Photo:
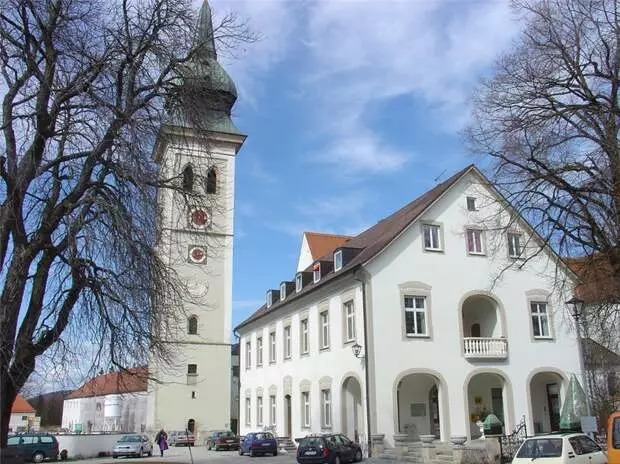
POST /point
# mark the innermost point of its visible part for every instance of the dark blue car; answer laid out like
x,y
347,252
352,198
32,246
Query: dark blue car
x,y
259,443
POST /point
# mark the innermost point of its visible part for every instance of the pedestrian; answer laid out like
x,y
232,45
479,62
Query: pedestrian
x,y
162,441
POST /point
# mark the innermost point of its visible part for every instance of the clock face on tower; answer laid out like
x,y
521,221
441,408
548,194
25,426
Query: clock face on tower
x,y
197,254
199,218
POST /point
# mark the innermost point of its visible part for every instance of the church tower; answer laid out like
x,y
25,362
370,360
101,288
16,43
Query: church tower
x,y
197,147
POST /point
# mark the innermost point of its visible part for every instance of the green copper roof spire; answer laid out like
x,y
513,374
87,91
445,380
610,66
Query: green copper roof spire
x,y
205,37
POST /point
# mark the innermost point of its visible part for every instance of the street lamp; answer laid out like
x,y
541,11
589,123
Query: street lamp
x,y
357,348
577,308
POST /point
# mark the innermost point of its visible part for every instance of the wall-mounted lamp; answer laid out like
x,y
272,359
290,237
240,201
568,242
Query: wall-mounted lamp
x,y
357,349
577,306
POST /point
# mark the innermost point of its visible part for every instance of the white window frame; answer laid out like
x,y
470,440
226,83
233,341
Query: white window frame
x,y
269,298
272,347
305,409
473,200
324,329
248,355
283,291
259,410
287,342
299,283
248,411
326,408
350,334
432,246
535,313
337,260
415,310
475,233
316,272
304,342
272,410
259,351
512,253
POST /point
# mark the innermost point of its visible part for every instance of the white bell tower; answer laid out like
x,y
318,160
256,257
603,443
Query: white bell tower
x,y
198,146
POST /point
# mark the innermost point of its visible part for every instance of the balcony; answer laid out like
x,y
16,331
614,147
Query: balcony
x,y
485,347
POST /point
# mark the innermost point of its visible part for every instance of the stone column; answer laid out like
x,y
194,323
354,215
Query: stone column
x,y
401,444
377,443
428,448
458,450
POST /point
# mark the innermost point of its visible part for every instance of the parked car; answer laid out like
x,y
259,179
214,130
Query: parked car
x,y
332,448
133,445
259,443
34,447
613,438
222,440
183,438
560,448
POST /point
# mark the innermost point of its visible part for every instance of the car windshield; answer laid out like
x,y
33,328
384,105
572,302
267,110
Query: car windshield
x,y
264,436
541,448
226,434
311,441
130,439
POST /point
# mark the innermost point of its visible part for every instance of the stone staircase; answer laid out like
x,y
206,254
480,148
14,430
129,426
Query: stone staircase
x,y
415,452
285,443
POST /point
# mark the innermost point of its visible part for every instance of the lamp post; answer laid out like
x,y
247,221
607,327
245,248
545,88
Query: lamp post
x,y
577,308
357,350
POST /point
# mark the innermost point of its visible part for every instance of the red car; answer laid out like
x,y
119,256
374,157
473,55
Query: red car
x,y
222,440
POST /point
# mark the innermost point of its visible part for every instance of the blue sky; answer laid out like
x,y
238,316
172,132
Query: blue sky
x,y
352,109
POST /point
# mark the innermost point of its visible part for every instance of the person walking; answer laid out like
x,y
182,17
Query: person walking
x,y
162,441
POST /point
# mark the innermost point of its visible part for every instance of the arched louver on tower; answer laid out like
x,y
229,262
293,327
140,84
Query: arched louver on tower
x,y
192,325
211,181
188,178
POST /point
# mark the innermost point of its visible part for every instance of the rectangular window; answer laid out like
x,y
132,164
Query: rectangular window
x,y
540,320
415,315
514,245
431,237
349,314
326,408
272,347
471,204
248,411
259,410
259,351
337,260
282,291
298,282
287,342
269,298
474,242
304,344
324,335
316,272
192,369
272,410
248,355
305,409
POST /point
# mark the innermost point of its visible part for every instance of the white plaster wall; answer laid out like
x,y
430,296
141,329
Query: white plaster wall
x,y
452,275
87,446
131,406
17,420
305,255
337,363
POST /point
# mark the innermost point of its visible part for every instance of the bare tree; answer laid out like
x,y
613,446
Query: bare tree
x,y
87,85
548,119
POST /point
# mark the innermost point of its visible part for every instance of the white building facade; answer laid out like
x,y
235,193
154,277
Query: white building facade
x,y
455,307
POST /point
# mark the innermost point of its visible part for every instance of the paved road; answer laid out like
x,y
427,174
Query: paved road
x,y
201,455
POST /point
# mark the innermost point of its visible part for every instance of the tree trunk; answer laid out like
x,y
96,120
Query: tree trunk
x,y
8,393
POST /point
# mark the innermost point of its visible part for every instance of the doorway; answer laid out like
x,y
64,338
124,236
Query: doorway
x,y
287,416
553,403
191,424
433,408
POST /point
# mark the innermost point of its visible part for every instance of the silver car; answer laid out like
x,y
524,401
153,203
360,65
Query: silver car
x,y
133,445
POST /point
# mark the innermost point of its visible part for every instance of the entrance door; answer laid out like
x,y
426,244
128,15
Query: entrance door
x,y
497,403
553,402
287,411
434,411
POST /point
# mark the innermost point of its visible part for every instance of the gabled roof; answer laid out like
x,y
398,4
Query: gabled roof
x,y
21,406
599,356
372,241
321,244
597,281
130,381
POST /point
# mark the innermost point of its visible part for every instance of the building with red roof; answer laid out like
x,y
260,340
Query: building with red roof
x,y
23,416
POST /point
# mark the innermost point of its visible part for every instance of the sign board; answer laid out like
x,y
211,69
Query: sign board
x,y
588,424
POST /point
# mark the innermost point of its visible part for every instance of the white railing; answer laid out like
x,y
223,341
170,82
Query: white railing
x,y
485,347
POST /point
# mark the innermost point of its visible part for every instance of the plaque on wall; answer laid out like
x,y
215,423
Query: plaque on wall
x,y
418,410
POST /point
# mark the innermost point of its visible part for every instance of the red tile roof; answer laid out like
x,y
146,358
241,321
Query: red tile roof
x,y
322,244
132,380
20,405
597,281
373,240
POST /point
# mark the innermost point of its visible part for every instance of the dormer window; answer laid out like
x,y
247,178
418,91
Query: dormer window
x,y
338,260
298,283
471,204
269,298
316,272
282,291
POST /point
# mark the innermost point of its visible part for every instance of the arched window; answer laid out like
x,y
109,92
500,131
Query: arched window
x,y
192,325
211,181
188,178
191,425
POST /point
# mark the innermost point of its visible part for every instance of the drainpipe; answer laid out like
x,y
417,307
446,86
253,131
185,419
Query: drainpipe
x,y
367,374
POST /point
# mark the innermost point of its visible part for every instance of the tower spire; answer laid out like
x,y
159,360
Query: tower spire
x,y
205,38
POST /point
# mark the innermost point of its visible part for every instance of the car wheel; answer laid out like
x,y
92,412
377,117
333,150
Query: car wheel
x,y
337,460
252,454
150,453
38,456
275,453
358,456
240,452
114,456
